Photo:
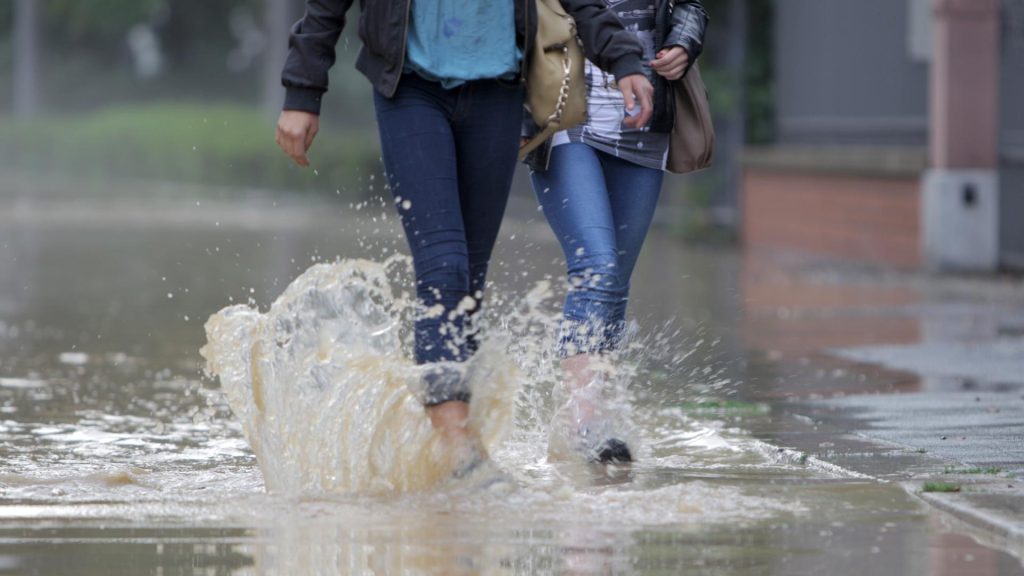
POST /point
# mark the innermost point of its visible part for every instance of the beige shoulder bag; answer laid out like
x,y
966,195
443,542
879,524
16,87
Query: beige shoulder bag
x,y
556,91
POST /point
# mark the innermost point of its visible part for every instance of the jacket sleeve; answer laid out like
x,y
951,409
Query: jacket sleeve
x,y
311,53
605,41
689,22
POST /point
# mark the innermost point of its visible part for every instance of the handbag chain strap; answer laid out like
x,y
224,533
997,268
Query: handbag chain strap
x,y
563,91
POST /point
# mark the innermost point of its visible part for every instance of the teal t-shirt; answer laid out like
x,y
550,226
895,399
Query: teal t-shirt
x,y
454,41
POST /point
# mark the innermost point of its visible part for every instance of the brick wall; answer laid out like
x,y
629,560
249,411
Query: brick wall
x,y
848,217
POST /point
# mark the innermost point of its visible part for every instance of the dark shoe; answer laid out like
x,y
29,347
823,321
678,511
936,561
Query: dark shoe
x,y
603,448
482,475
614,451
477,473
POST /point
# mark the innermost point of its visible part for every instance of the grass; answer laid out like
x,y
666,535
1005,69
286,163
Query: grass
x,y
976,470
940,487
222,145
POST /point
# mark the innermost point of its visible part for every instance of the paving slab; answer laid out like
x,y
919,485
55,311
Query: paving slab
x,y
909,378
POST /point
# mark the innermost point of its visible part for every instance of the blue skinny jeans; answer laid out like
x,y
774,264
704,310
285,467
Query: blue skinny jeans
x,y
449,156
600,208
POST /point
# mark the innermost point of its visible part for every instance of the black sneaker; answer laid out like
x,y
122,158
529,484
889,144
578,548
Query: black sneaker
x,y
603,448
614,451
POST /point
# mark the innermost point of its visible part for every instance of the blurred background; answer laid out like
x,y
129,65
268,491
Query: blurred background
x,y
849,269
858,131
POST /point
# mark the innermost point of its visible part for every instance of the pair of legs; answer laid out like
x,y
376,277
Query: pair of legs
x,y
449,156
600,208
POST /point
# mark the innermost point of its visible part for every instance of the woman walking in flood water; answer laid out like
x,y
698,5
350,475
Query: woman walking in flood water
x,y
448,96
598,185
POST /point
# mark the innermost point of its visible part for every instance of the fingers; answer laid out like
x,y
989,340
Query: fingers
x,y
627,93
671,63
310,135
296,146
670,57
288,140
673,73
629,97
297,149
636,89
646,104
295,133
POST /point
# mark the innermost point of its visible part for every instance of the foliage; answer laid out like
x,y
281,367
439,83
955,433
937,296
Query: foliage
x,y
974,470
206,144
87,61
760,74
757,76
940,487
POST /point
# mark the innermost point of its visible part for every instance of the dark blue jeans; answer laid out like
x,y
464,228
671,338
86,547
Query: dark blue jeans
x,y
600,208
449,156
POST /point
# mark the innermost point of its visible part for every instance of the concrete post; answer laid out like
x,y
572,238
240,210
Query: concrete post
x,y
277,17
26,58
961,190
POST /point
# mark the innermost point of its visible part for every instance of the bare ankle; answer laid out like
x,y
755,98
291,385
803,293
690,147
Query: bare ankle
x,y
450,418
578,371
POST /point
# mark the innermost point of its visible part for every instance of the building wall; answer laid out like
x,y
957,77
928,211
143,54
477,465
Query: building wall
x,y
1011,228
852,79
845,74
847,217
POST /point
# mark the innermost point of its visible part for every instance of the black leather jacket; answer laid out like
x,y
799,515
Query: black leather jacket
x,y
680,23
383,29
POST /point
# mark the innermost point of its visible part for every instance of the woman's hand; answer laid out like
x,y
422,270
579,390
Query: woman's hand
x,y
637,91
295,133
671,62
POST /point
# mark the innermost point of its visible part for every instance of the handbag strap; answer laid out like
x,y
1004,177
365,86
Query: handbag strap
x,y
563,91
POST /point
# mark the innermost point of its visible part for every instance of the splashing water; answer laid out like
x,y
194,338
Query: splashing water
x,y
326,394
329,400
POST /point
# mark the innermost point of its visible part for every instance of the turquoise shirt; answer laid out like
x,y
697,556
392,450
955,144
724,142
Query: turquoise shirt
x,y
454,41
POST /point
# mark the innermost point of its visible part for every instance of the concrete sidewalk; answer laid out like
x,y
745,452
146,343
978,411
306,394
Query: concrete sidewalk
x,y
907,378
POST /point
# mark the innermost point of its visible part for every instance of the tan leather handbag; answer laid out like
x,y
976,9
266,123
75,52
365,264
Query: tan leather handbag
x,y
556,91
692,145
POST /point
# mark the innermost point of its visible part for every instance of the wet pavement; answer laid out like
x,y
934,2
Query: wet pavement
x,y
922,384
809,407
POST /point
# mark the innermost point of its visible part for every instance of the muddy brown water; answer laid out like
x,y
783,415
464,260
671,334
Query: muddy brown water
x,y
117,456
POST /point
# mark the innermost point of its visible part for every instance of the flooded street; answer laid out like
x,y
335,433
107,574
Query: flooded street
x,y
119,456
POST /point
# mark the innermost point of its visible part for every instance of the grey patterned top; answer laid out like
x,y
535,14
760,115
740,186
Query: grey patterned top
x,y
606,109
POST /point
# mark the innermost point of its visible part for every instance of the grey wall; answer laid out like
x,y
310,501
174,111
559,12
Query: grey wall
x,y
844,74
1012,137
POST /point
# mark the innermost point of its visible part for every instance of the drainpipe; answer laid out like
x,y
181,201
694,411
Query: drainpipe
x,y
960,199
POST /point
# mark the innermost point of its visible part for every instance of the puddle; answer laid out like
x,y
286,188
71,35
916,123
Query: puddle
x,y
121,457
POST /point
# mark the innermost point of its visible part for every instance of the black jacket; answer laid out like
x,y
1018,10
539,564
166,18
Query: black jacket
x,y
383,29
682,23
678,23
